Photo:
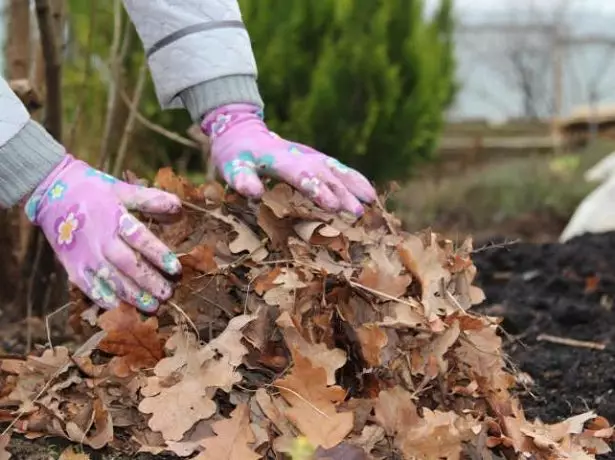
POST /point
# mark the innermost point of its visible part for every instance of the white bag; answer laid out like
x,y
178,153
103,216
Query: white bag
x,y
596,213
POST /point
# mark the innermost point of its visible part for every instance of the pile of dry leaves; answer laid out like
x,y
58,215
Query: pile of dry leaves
x,y
292,328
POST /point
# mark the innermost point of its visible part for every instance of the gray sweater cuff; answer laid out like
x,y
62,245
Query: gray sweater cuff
x,y
25,161
207,96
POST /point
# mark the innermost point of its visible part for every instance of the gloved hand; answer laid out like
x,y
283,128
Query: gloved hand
x,y
243,149
106,251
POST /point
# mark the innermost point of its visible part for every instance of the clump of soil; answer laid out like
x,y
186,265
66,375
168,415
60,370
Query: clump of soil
x,y
563,290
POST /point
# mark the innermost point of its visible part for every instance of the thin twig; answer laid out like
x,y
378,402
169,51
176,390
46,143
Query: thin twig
x,y
130,123
280,387
186,317
48,317
571,342
157,128
495,246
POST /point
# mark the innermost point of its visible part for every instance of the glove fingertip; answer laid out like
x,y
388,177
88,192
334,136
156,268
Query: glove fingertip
x,y
249,185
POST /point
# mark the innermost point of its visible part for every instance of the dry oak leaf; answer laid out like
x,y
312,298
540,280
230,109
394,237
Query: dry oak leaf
x,y
313,404
427,264
135,343
395,411
372,340
200,258
482,351
177,408
4,441
318,353
246,239
167,180
100,425
233,438
383,273
437,435
404,317
36,373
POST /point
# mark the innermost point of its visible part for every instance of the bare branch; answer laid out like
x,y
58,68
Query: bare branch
x,y
128,130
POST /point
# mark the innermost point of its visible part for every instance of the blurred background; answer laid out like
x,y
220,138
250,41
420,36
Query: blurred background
x,y
474,116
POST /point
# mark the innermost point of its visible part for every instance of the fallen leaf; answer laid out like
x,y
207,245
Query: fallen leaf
x,y
313,404
426,263
318,353
395,411
437,434
233,438
4,442
246,239
370,436
383,273
177,408
200,258
102,431
372,340
135,343
167,180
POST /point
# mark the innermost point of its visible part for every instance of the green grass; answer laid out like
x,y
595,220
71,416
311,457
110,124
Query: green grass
x,y
492,194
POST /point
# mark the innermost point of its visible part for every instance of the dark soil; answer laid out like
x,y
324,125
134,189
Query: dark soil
x,y
562,290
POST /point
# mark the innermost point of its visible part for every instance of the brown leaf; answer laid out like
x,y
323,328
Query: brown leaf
x,y
246,239
176,409
134,343
437,434
395,411
372,340
200,258
4,442
318,353
178,406
234,436
426,263
102,431
383,273
167,180
272,412
313,404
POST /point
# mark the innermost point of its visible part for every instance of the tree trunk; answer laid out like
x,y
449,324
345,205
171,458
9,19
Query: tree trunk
x,y
47,287
17,68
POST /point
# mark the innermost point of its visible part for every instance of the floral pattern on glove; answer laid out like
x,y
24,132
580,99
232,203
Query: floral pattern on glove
x,y
108,253
219,125
57,190
105,287
68,226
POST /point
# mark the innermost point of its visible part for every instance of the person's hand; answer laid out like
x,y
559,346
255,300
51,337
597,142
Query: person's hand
x,y
107,252
243,149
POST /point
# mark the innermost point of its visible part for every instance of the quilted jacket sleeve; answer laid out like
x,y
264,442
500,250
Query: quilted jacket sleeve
x,y
27,152
199,52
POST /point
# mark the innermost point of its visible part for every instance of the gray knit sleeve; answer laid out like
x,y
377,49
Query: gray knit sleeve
x,y
209,95
25,160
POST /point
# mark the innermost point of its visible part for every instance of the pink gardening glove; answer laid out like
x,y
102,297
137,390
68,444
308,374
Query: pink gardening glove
x,y
106,251
243,149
